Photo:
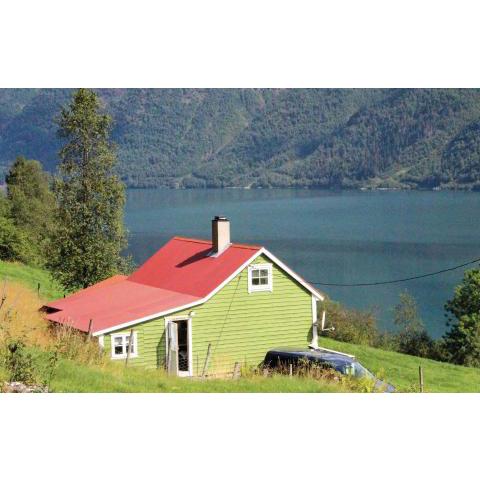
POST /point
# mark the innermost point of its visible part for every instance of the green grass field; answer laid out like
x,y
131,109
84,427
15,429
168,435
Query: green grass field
x,y
31,277
72,377
398,369
402,370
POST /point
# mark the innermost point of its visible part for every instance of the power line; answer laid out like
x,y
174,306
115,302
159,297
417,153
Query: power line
x,y
398,280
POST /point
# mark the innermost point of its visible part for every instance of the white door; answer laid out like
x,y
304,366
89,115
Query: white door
x,y
179,346
172,348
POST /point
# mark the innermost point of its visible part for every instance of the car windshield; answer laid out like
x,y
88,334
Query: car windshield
x,y
357,370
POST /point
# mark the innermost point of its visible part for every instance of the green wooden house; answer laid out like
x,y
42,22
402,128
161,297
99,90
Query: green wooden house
x,y
197,305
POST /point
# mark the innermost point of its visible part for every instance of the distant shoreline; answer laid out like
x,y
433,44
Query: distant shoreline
x,y
325,189
3,187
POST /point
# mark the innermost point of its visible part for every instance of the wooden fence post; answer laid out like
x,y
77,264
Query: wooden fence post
x,y
420,377
90,328
4,293
130,344
207,359
290,370
236,370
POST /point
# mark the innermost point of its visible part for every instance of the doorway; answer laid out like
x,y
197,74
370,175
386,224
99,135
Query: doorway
x,y
182,332
179,350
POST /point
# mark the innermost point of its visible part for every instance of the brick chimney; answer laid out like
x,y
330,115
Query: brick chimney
x,y
220,234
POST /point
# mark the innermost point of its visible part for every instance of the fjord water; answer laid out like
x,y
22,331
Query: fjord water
x,y
331,237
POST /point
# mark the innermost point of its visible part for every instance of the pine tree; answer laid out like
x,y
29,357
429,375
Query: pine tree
x,y
90,234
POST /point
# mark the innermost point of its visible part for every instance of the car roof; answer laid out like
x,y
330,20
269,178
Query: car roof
x,y
317,354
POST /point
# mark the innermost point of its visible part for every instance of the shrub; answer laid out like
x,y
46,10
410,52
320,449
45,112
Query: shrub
x,y
413,338
19,363
353,326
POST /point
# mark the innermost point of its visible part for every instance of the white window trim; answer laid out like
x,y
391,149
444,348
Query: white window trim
x,y
123,355
260,288
188,318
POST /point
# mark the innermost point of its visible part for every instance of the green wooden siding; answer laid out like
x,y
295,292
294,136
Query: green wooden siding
x,y
150,343
240,326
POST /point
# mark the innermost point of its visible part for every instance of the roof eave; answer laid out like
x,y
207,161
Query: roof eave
x,y
181,307
261,251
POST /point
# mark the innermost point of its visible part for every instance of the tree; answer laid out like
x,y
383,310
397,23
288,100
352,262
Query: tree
x,y
462,340
14,244
31,203
412,337
89,234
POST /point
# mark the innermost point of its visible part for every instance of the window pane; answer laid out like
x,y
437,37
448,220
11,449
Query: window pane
x,y
127,344
118,345
260,277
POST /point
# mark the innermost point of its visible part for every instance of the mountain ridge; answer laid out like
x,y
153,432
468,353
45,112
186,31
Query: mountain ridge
x,y
314,138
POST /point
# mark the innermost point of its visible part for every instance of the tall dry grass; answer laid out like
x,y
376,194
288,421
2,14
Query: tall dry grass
x,y
23,325
311,371
20,316
75,345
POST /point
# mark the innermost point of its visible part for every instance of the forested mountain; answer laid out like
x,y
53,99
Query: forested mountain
x,y
326,138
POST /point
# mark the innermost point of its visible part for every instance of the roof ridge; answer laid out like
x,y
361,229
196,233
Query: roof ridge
x,y
208,242
193,240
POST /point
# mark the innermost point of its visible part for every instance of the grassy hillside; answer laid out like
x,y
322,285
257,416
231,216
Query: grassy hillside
x,y
31,277
402,370
267,137
398,369
74,377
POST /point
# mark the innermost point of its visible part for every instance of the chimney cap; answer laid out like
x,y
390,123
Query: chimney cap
x,y
221,218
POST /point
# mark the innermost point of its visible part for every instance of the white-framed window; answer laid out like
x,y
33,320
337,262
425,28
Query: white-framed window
x,y
260,278
121,343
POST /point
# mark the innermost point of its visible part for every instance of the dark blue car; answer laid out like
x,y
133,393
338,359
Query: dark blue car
x,y
345,364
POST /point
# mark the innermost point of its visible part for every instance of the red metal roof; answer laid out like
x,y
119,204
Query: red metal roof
x,y
185,265
114,304
180,273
